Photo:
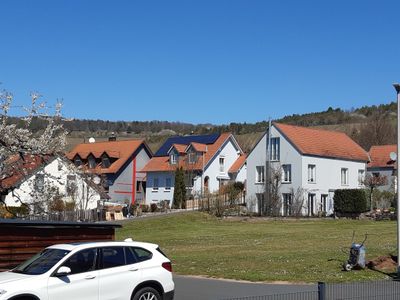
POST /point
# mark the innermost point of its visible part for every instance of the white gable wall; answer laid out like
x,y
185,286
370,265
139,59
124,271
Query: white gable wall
x,y
230,153
58,169
328,173
121,189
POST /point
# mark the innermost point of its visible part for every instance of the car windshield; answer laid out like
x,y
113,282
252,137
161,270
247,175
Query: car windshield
x,y
41,262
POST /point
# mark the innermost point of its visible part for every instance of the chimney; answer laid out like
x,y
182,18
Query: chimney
x,y
112,137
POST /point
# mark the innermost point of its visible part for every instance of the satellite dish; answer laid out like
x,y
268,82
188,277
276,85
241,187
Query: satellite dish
x,y
393,156
96,180
92,140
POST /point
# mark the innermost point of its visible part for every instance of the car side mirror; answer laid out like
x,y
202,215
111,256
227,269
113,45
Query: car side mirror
x,y
63,271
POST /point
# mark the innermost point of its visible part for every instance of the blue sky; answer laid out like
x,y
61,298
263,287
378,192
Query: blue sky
x,y
202,61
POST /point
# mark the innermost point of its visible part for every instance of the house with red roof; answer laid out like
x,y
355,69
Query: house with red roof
x,y
311,164
118,166
210,161
31,179
383,164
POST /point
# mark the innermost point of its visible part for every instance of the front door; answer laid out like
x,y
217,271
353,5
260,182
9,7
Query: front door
x,y
311,204
324,203
82,283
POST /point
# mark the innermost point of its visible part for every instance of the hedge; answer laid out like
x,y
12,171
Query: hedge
x,y
352,201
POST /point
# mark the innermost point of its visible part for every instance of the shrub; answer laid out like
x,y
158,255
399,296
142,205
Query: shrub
x,y
153,207
145,208
350,201
13,211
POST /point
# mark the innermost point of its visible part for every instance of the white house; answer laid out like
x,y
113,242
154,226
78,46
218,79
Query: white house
x,y
313,163
207,160
383,166
36,181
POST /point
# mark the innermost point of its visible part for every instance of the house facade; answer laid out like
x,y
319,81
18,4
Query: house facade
x,y
206,159
36,181
310,163
118,166
382,165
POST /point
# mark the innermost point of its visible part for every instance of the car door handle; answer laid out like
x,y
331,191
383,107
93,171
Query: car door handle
x,y
90,276
134,269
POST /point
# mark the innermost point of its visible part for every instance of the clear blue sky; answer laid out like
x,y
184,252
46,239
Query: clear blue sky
x,y
216,61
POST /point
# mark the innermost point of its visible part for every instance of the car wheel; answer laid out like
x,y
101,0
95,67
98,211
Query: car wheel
x,y
147,293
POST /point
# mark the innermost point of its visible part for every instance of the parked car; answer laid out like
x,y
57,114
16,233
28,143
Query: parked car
x,y
92,271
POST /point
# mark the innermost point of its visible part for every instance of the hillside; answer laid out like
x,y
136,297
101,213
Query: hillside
x,y
367,125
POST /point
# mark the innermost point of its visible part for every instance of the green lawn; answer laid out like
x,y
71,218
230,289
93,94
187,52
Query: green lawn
x,y
263,250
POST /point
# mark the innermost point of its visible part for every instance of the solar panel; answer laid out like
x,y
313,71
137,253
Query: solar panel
x,y
186,140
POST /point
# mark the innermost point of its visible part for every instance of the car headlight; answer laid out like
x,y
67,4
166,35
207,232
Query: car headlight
x,y
2,292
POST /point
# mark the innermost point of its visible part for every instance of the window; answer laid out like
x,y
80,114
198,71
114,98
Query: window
x,y
155,184
112,257
260,174
275,149
138,186
287,204
173,158
77,161
221,164
83,261
142,254
260,201
168,184
287,173
71,185
192,157
105,161
39,182
311,174
361,177
130,256
345,176
92,162
41,262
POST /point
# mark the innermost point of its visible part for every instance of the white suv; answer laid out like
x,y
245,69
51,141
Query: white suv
x,y
92,271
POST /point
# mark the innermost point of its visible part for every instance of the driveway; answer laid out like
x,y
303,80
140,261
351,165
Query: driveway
x,y
193,288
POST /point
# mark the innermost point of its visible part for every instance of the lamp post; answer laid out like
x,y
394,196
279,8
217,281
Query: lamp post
x,y
397,87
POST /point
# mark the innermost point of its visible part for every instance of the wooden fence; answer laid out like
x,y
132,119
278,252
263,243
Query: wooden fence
x,y
215,202
20,240
92,215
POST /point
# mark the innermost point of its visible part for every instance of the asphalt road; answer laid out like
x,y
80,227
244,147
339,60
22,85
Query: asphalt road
x,y
193,288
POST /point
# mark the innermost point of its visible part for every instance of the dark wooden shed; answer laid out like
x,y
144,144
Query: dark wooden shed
x,y
19,240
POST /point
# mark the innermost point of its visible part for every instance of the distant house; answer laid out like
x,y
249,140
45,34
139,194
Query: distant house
x,y
312,163
382,165
207,160
32,179
118,165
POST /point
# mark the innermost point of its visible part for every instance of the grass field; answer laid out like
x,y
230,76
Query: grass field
x,y
263,250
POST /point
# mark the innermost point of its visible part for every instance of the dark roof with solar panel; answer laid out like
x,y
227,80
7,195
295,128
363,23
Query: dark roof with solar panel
x,y
186,140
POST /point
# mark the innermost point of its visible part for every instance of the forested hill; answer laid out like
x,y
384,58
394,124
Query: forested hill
x,y
368,125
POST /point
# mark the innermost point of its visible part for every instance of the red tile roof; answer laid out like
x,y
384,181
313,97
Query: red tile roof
x,y
18,169
120,150
238,164
199,147
318,142
162,164
380,156
180,148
